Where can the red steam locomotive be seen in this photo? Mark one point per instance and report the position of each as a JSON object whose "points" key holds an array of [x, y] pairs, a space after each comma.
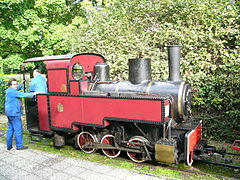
{"points": [[149, 120]]}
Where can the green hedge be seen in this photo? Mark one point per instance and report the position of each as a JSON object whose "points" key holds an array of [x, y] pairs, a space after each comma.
{"points": [[3, 87]]}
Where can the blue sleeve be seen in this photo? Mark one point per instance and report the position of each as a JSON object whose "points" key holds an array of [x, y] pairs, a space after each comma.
{"points": [[23, 95]]}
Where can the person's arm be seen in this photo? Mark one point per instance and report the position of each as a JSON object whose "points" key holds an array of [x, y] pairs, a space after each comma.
{"points": [[23, 95]]}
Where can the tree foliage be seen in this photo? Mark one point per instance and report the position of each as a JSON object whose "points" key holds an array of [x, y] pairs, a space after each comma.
{"points": [[32, 28]]}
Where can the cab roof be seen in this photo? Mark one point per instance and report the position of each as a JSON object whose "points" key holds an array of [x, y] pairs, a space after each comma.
{"points": [[58, 57], [45, 58]]}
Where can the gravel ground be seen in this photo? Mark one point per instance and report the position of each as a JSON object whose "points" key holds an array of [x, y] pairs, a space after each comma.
{"points": [[3, 120]]}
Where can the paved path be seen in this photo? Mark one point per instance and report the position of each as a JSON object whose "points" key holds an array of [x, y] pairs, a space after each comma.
{"points": [[37, 165]]}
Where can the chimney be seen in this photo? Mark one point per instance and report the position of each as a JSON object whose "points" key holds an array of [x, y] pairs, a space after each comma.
{"points": [[174, 62]]}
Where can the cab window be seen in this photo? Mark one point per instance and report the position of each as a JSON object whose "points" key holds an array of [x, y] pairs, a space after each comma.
{"points": [[77, 71]]}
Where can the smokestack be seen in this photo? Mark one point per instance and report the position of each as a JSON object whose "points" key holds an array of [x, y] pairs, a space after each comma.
{"points": [[139, 70], [174, 62]]}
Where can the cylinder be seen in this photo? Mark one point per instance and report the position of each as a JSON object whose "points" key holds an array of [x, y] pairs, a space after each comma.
{"points": [[139, 70], [174, 62], [102, 71]]}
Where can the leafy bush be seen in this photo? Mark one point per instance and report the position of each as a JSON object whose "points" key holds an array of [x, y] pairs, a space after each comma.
{"points": [[3, 87]]}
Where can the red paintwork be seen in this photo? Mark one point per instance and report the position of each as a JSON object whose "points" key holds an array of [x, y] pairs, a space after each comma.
{"points": [[57, 81], [193, 138], [54, 64], [74, 88], [87, 61], [236, 145], [43, 112], [92, 110]]}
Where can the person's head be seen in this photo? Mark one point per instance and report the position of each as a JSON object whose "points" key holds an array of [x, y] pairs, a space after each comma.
{"points": [[36, 72], [12, 83]]}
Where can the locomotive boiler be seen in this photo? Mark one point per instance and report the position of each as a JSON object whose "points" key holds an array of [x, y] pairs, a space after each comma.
{"points": [[147, 119], [140, 81]]}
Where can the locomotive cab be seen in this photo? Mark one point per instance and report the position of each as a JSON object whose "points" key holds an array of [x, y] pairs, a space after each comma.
{"points": [[66, 75]]}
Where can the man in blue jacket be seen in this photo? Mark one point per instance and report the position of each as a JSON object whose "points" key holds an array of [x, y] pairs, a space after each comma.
{"points": [[13, 110], [38, 83]]}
